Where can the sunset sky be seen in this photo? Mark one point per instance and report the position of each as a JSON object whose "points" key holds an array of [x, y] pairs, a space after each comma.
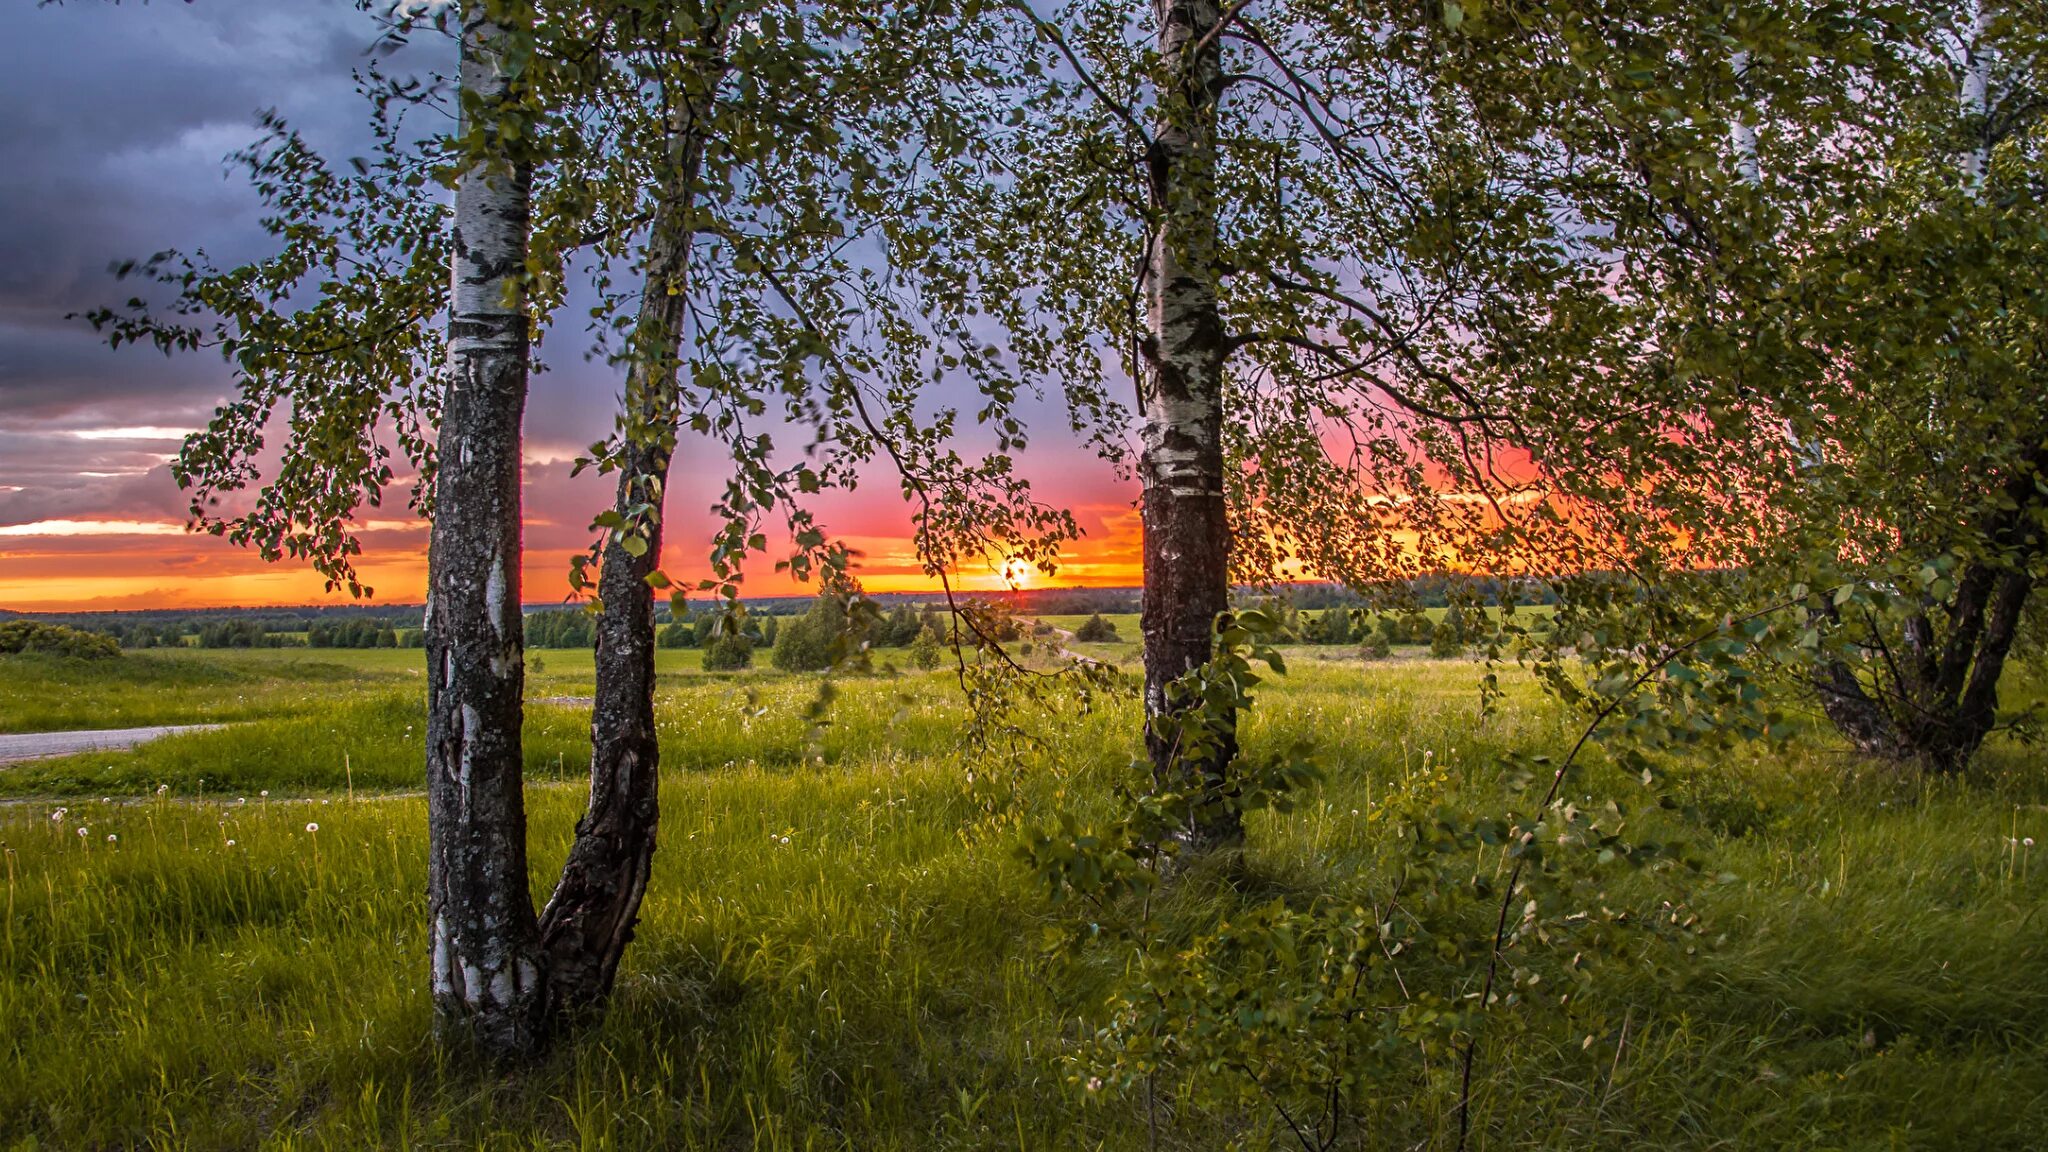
{"points": [[119, 119]]}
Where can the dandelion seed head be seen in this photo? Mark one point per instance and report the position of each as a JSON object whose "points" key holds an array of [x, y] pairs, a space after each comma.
{"points": [[312, 827], [82, 831], [231, 843], [111, 837]]}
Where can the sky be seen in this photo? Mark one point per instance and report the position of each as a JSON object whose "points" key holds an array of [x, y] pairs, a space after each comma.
{"points": [[119, 119]]}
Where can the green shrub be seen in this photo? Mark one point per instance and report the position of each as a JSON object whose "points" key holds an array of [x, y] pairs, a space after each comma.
{"points": [[927, 650], [1444, 640], [1096, 630], [732, 653], [805, 644], [18, 636]]}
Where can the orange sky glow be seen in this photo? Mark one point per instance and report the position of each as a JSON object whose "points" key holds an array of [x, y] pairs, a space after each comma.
{"points": [[74, 565]]}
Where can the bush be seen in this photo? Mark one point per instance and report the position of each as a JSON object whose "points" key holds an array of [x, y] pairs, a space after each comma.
{"points": [[927, 650], [23, 636], [1445, 641], [805, 644], [1375, 648], [1096, 630], [675, 634], [55, 640], [732, 653]]}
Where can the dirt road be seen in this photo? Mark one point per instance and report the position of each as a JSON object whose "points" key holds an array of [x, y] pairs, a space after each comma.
{"points": [[37, 745]]}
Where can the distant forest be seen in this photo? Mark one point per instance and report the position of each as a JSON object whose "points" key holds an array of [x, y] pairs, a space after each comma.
{"points": [[558, 626]]}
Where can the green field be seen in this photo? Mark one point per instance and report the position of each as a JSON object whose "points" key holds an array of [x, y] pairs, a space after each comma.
{"points": [[840, 949]]}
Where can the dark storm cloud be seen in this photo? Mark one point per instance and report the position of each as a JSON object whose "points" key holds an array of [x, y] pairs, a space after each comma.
{"points": [[119, 117]]}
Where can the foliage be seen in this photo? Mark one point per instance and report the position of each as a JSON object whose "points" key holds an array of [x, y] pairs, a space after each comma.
{"points": [[19, 636], [927, 651], [1096, 630], [809, 642], [1446, 639], [731, 652], [561, 628]]}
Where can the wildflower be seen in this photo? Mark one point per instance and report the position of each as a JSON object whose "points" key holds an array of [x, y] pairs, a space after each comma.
{"points": [[58, 815], [1095, 1083], [111, 837], [312, 827], [265, 794], [162, 788], [231, 843], [82, 832], [2028, 842], [785, 839]]}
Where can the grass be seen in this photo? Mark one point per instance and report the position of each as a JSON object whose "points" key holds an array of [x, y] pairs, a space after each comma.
{"points": [[841, 952]]}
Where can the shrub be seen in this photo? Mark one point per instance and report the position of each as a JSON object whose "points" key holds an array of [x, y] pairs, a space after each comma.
{"points": [[55, 640], [1096, 630], [927, 650], [675, 634], [731, 653], [1445, 641], [805, 644]]}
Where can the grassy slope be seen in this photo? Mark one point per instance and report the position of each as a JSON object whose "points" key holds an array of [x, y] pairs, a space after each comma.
{"points": [[875, 981]]}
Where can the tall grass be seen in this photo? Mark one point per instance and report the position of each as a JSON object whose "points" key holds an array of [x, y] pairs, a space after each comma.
{"points": [[838, 950]]}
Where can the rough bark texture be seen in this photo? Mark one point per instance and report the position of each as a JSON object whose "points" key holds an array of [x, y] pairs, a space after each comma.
{"points": [[590, 918], [488, 983], [1187, 538], [1935, 701]]}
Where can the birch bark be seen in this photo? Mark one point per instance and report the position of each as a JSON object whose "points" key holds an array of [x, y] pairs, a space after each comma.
{"points": [[1186, 535], [591, 916], [487, 980]]}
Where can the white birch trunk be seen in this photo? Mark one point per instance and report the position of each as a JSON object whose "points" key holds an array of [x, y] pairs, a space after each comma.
{"points": [[1976, 100], [486, 975], [1742, 133], [1187, 539]]}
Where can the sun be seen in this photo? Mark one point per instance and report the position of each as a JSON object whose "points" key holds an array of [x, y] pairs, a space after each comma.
{"points": [[1018, 574]]}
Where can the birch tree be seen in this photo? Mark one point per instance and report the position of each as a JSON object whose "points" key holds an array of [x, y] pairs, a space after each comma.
{"points": [[488, 982], [728, 157], [1844, 293]]}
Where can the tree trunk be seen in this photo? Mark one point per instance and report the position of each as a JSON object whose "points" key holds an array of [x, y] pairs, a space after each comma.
{"points": [[590, 918], [487, 980], [1937, 700], [1976, 95], [1187, 538]]}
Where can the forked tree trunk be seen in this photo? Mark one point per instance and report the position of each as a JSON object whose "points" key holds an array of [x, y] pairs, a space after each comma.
{"points": [[590, 918], [1187, 536], [1934, 702], [488, 983]]}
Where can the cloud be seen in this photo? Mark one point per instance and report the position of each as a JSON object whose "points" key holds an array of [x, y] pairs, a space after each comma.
{"points": [[118, 120]]}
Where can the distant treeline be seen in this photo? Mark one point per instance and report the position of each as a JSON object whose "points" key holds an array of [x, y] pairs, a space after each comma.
{"points": [[905, 615]]}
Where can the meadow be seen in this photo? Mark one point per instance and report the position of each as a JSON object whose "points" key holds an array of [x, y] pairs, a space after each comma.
{"points": [[841, 950]]}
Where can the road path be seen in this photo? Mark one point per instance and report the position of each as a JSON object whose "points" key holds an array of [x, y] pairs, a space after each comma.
{"points": [[37, 745]]}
